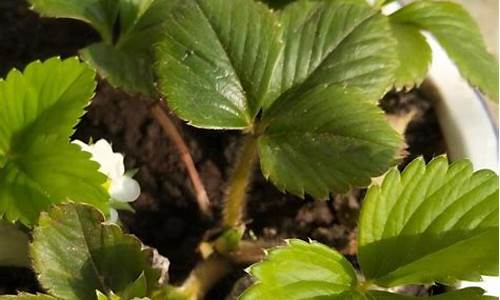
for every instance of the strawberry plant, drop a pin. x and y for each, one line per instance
(301, 82)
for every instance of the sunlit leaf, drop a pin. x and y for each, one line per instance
(434, 223)
(301, 270)
(39, 109)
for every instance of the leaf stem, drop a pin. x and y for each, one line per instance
(213, 269)
(203, 277)
(235, 197)
(185, 156)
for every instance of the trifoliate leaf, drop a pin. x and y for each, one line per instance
(465, 294)
(414, 54)
(222, 62)
(75, 254)
(216, 61)
(38, 110)
(124, 58)
(326, 139)
(344, 42)
(430, 224)
(26, 296)
(301, 270)
(459, 35)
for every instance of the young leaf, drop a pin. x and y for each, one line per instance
(38, 111)
(414, 54)
(465, 294)
(459, 35)
(301, 270)
(216, 61)
(430, 224)
(75, 254)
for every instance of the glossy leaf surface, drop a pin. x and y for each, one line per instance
(217, 60)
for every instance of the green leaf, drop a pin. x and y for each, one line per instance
(459, 35)
(301, 270)
(100, 13)
(325, 139)
(128, 63)
(75, 254)
(46, 99)
(216, 61)
(125, 68)
(222, 62)
(13, 246)
(464, 294)
(345, 42)
(26, 296)
(38, 111)
(414, 54)
(430, 224)
(124, 58)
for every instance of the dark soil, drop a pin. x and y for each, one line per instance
(166, 213)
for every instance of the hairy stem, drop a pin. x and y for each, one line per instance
(204, 276)
(234, 200)
(185, 156)
(213, 269)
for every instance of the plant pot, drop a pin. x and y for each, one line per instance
(468, 127)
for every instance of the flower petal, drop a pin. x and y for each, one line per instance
(111, 162)
(113, 215)
(124, 189)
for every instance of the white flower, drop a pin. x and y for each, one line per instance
(121, 187)
(490, 284)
